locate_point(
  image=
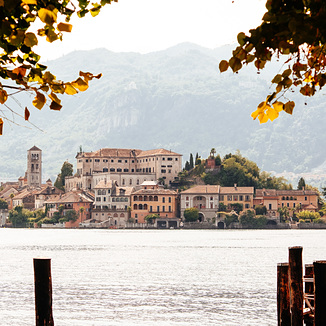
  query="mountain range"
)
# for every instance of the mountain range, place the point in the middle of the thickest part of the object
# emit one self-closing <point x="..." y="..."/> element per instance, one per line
<point x="176" y="99"/>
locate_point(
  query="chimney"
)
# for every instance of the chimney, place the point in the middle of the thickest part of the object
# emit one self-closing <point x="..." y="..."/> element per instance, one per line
<point x="235" y="186"/>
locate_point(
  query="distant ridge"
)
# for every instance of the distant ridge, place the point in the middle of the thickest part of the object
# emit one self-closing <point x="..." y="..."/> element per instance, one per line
<point x="175" y="99"/>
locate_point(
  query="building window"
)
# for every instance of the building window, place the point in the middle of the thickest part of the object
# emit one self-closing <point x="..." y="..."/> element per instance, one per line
<point x="240" y="197"/>
<point x="150" y="208"/>
<point x="221" y="197"/>
<point x="229" y="197"/>
<point x="163" y="199"/>
<point x="169" y="199"/>
<point x="170" y="209"/>
<point x="247" y="206"/>
<point x="158" y="208"/>
<point x="269" y="206"/>
<point x="119" y="161"/>
<point x="163" y="208"/>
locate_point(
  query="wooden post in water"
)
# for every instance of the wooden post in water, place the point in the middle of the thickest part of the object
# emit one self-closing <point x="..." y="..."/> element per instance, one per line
<point x="320" y="292"/>
<point x="309" y="293"/>
<point x="43" y="292"/>
<point x="283" y="295"/>
<point x="296" y="286"/>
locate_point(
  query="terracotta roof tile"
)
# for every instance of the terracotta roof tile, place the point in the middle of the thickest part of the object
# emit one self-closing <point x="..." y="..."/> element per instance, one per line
<point x="202" y="189"/>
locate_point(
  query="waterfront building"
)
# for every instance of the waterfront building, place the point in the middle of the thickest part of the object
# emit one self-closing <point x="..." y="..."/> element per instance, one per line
<point x="237" y="195"/>
<point x="154" y="199"/>
<point x="203" y="197"/>
<point x="129" y="167"/>
<point x="293" y="200"/>
<point x="78" y="200"/>
<point x="112" y="204"/>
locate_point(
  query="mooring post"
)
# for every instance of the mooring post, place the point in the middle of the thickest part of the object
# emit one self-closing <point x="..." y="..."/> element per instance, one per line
<point x="309" y="293"/>
<point x="283" y="295"/>
<point x="296" y="285"/>
<point x="320" y="292"/>
<point x="43" y="292"/>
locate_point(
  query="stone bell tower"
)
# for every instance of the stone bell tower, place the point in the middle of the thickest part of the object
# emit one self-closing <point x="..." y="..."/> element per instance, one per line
<point x="34" y="167"/>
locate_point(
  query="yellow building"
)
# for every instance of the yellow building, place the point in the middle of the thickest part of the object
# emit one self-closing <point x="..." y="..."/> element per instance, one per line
<point x="153" y="199"/>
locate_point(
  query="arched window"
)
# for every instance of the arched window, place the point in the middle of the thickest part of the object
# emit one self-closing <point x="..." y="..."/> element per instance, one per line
<point x="145" y="198"/>
<point x="145" y="206"/>
<point x="140" y="206"/>
<point x="130" y="181"/>
<point x="135" y="198"/>
<point x="140" y="198"/>
<point x="135" y="206"/>
<point x="123" y="182"/>
<point x="150" y="198"/>
<point x="122" y="215"/>
<point x="155" y="198"/>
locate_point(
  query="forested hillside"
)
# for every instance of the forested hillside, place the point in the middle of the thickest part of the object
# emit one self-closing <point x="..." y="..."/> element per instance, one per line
<point x="175" y="99"/>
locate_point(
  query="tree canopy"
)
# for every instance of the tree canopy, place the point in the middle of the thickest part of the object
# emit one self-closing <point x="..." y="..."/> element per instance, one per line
<point x="66" y="171"/>
<point x="297" y="31"/>
<point x="19" y="63"/>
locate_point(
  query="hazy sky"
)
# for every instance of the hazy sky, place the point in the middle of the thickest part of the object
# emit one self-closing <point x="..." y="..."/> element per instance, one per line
<point x="151" y="25"/>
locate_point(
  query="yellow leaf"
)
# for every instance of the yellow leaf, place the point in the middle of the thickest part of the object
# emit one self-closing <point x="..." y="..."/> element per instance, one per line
<point x="278" y="106"/>
<point x="272" y="114"/>
<point x="277" y="79"/>
<point x="48" y="77"/>
<point x="263" y="118"/>
<point x="55" y="106"/>
<point x="1" y="126"/>
<point x="47" y="16"/>
<point x="241" y="38"/>
<point x="57" y="87"/>
<point x="30" y="40"/>
<point x="64" y="27"/>
<point x="255" y="114"/>
<point x="80" y="84"/>
<point x="3" y="96"/>
<point x="289" y="106"/>
<point x="70" y="90"/>
<point x="39" y="100"/>
<point x="54" y="98"/>
<point x="223" y="66"/>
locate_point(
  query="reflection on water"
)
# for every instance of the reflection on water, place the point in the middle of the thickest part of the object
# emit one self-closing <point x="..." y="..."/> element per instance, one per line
<point x="149" y="277"/>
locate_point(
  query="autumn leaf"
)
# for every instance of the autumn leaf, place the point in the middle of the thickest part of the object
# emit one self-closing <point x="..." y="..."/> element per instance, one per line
<point x="3" y="96"/>
<point x="39" y="100"/>
<point x="27" y="114"/>
<point x="70" y="90"/>
<point x="80" y="84"/>
<point x="47" y="16"/>
<point x="223" y="66"/>
<point x="30" y="40"/>
<point x="289" y="106"/>
<point x="64" y="27"/>
<point x="55" y="106"/>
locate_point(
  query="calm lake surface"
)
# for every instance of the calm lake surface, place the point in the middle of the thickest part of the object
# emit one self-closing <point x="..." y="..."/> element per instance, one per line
<point x="150" y="277"/>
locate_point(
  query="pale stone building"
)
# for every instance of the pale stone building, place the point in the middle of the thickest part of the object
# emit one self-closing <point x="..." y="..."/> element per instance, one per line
<point x="204" y="197"/>
<point x="112" y="203"/>
<point x="34" y="167"/>
<point x="129" y="167"/>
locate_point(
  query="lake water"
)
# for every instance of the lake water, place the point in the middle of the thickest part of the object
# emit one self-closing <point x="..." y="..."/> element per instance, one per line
<point x="150" y="277"/>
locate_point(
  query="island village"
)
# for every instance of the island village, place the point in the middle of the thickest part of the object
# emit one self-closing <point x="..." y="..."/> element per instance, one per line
<point x="132" y="188"/>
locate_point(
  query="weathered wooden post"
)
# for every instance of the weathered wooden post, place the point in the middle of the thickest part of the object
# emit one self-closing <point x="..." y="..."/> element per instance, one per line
<point x="320" y="292"/>
<point x="309" y="293"/>
<point x="283" y="295"/>
<point x="296" y="285"/>
<point x="43" y="292"/>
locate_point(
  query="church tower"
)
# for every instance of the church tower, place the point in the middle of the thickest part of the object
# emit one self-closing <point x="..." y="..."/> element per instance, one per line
<point x="34" y="167"/>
